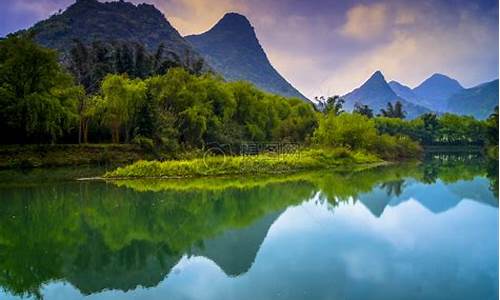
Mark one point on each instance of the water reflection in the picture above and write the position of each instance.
(315, 235)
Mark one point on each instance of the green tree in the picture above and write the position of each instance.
(331, 104)
(431, 127)
(363, 109)
(38, 99)
(123, 98)
(393, 111)
(347, 130)
(492, 127)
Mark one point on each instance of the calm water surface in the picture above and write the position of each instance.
(402, 232)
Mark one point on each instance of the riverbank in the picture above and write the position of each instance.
(309, 159)
(34, 156)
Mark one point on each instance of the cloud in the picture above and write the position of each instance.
(332, 46)
(467, 51)
(405, 16)
(196, 16)
(40, 8)
(365, 21)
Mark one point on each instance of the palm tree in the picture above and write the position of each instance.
(393, 111)
(493, 117)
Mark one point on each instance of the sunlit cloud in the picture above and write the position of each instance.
(196, 16)
(365, 21)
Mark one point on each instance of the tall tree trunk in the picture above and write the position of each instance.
(80, 129)
(86, 131)
(115, 135)
(127, 135)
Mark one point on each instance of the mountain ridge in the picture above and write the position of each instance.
(478, 101)
(119, 21)
(232, 48)
(376, 93)
(434, 91)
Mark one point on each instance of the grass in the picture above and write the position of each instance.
(309, 159)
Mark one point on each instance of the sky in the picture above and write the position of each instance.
(326, 47)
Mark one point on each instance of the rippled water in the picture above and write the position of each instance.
(426, 231)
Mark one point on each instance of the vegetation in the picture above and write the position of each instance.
(38, 98)
(356, 132)
(331, 105)
(91, 63)
(254, 164)
(393, 111)
(29, 156)
(447, 130)
(121, 93)
(363, 109)
(177, 109)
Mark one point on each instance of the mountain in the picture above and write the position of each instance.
(91, 20)
(478, 101)
(376, 93)
(243, 244)
(449, 195)
(231, 47)
(435, 90)
(404, 92)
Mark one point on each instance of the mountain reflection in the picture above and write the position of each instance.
(124, 234)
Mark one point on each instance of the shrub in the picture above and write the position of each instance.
(354, 131)
(145, 143)
(395, 147)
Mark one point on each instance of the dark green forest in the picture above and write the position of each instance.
(116, 92)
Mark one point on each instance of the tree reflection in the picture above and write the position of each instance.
(124, 234)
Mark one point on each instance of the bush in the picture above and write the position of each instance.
(395, 147)
(145, 143)
(353, 131)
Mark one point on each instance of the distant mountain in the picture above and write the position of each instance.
(478, 101)
(231, 47)
(376, 93)
(435, 91)
(404, 92)
(437, 198)
(91, 20)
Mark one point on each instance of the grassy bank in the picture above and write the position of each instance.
(29, 156)
(309, 159)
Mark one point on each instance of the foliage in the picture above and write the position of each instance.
(447, 129)
(363, 109)
(90, 63)
(231, 165)
(37, 98)
(179, 109)
(122, 99)
(130, 99)
(393, 111)
(492, 128)
(332, 104)
(347, 130)
(29, 156)
(357, 131)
